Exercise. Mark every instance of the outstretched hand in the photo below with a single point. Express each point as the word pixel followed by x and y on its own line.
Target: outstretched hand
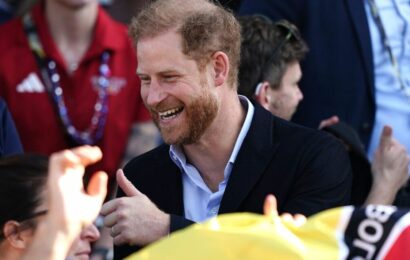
pixel 270 210
pixel 389 169
pixel 329 122
pixel 70 206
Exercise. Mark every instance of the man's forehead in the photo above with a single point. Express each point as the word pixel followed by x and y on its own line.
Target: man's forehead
pixel 170 34
pixel 162 54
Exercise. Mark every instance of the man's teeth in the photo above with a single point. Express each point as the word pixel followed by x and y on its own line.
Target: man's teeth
pixel 170 113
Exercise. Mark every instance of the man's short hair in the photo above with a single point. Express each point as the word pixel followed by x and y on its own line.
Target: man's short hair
pixel 205 28
pixel 267 48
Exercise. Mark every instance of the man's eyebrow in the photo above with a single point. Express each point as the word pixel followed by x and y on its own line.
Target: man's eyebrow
pixel 167 71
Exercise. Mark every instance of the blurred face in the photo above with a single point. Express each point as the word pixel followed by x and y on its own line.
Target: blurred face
pixel 81 248
pixel 177 93
pixel 17 236
pixel 284 101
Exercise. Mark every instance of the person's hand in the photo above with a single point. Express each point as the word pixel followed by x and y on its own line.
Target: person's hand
pixel 134 219
pixel 328 122
pixel 270 210
pixel 389 169
pixel 70 206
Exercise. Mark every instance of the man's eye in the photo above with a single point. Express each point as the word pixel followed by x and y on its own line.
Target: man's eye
pixel 170 78
pixel 145 82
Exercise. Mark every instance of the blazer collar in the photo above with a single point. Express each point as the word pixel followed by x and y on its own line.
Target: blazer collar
pixel 254 155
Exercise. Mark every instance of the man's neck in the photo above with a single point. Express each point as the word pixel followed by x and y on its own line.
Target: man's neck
pixel 71 28
pixel 211 154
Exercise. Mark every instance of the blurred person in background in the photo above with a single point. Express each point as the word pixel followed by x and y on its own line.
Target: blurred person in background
pixel 49 215
pixel 269 73
pixel 68 77
pixel 358 66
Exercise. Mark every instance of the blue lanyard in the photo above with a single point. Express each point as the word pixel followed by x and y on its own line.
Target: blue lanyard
pixel 386 43
pixel 51 78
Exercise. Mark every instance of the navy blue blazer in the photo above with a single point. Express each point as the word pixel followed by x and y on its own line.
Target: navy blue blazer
pixel 307 170
pixel 338 76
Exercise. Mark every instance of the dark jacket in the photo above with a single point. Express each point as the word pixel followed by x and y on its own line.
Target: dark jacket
pixel 307 170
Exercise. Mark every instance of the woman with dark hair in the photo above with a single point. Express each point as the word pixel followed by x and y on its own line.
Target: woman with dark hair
pixel 29 199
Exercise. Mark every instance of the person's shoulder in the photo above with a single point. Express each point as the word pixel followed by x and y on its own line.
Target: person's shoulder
pixel 150 159
pixel 294 132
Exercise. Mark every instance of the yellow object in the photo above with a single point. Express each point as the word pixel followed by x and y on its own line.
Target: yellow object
pixel 252 236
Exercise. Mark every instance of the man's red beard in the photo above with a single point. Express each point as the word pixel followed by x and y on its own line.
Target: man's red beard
pixel 199 115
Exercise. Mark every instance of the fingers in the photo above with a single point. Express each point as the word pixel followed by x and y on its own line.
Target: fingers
pixel 297 219
pixel 270 206
pixel 386 136
pixel 81 156
pixel 286 217
pixel 87 154
pixel 113 232
pixel 110 220
pixel 109 207
pixel 97 186
pixel 128 188
pixel 120 240
pixel 329 122
pixel 84 155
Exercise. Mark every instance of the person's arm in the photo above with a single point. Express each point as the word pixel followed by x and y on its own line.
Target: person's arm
pixel 70 207
pixel 324 179
pixel 390 169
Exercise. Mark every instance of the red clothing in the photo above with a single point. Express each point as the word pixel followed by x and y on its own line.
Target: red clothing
pixel 34 113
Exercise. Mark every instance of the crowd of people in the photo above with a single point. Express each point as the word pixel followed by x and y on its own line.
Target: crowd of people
pixel 304 101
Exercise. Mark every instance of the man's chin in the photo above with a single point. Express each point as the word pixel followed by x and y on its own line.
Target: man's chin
pixel 170 138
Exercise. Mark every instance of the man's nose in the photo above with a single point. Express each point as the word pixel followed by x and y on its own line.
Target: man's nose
pixel 155 94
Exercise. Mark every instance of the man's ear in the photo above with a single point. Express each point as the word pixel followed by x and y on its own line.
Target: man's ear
pixel 16 239
pixel 220 62
pixel 264 96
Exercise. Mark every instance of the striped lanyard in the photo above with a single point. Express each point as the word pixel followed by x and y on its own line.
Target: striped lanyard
pixel 48 69
pixel 386 43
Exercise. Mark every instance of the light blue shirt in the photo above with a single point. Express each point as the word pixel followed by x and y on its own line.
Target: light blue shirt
pixel 392 106
pixel 200 203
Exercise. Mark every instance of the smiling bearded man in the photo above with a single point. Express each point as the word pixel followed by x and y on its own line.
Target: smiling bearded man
pixel 225 154
pixel 200 112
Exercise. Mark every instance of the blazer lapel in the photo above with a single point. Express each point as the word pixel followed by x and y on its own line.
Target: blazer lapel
pixel 256 152
pixel 357 13
pixel 172 186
